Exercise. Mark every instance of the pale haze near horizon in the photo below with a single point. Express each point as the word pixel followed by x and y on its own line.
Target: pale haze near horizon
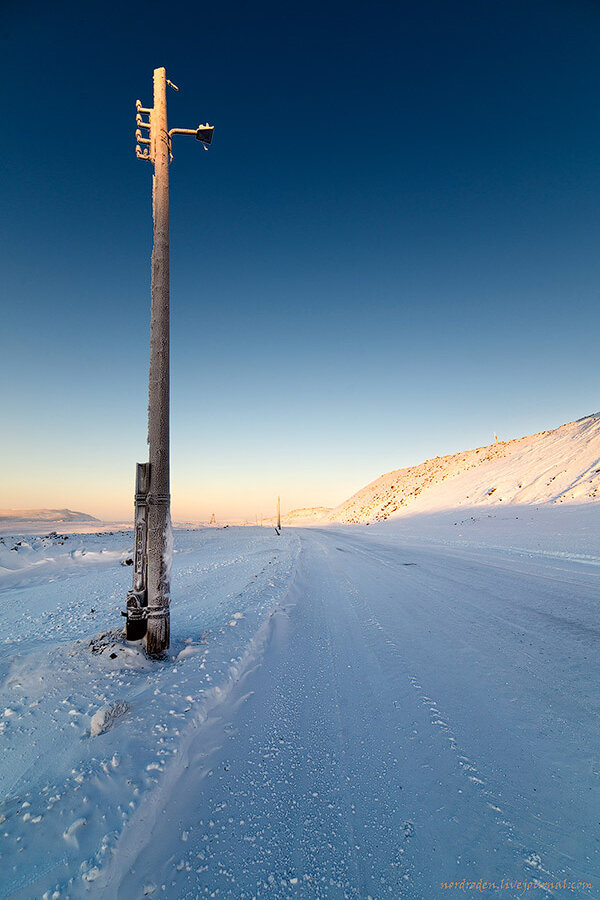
pixel 230 492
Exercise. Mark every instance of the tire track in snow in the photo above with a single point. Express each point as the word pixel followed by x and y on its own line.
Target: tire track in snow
pixel 477 781
pixel 138 834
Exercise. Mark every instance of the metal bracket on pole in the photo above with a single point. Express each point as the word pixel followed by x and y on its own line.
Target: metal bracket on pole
pixel 203 133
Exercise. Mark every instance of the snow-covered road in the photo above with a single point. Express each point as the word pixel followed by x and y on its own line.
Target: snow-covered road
pixel 367 716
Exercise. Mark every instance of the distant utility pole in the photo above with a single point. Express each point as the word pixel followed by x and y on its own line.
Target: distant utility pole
pixel 278 529
pixel 148 602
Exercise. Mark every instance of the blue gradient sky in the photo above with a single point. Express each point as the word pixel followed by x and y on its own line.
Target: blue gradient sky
pixel 390 251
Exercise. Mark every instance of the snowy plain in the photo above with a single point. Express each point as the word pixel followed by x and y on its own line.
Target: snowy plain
pixel 345 712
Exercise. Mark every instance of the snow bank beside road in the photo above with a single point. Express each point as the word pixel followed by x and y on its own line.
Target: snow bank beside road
pixel 90 727
pixel 26 558
pixel 568 531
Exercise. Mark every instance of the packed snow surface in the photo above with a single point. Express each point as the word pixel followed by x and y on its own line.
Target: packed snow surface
pixel 559 466
pixel 343 713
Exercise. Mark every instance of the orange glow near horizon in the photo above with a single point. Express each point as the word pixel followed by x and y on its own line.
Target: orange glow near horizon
pixel 114 502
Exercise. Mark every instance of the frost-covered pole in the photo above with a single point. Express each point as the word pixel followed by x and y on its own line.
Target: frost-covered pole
pixel 149 601
pixel 279 513
pixel 159 501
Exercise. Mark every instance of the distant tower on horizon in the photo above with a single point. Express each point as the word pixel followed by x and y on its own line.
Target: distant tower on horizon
pixel 213 520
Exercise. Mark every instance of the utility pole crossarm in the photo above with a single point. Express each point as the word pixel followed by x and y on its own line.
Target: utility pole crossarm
pixel 142 111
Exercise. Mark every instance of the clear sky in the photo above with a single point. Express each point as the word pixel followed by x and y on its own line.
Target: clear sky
pixel 390 251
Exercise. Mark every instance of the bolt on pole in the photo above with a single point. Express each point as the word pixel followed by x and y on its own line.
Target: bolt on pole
pixel 148 604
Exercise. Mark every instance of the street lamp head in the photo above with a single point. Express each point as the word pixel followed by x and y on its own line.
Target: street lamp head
pixel 204 133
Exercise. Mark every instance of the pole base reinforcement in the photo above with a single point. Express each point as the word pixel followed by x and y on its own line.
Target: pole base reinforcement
pixel 137 623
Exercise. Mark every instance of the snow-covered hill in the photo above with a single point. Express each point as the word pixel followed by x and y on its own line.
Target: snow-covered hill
pixel 44 515
pixel 560 466
pixel 305 516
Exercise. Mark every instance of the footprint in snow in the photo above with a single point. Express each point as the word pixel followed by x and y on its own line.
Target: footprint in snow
pixel 408 830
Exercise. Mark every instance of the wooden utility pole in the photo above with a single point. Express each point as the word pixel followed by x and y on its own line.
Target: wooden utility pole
pixel 149 602
pixel 159 500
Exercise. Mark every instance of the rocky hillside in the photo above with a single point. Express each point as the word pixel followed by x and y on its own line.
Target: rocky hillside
pixel 560 466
